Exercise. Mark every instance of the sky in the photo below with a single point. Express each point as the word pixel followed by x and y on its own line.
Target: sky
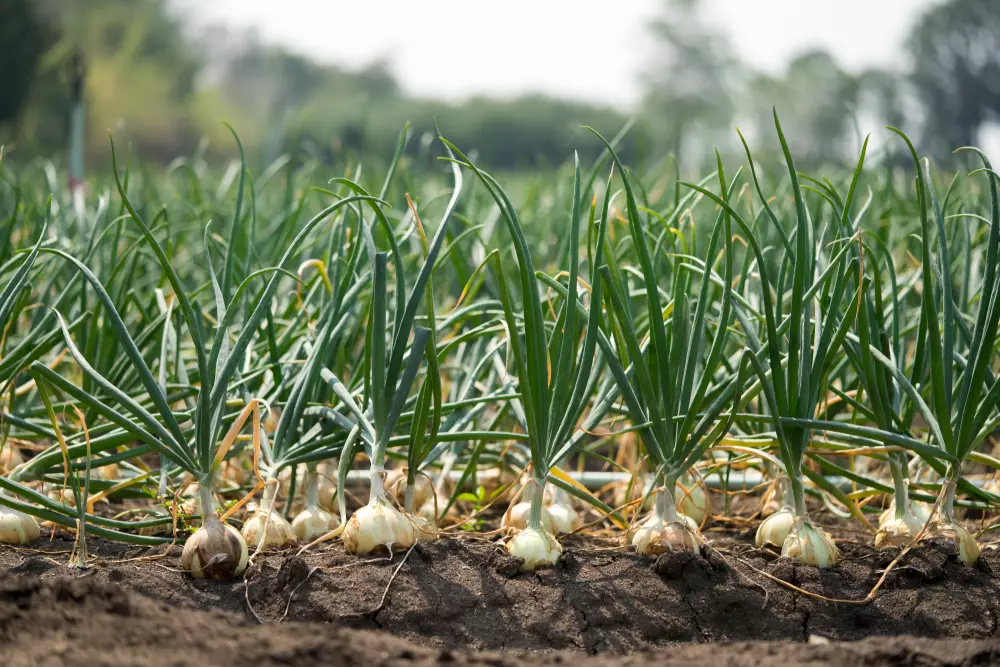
pixel 589 50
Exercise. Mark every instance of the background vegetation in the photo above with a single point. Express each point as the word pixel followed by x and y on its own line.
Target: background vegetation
pixel 152 77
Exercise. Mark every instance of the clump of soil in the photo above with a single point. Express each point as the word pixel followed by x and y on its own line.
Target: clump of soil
pixel 463 595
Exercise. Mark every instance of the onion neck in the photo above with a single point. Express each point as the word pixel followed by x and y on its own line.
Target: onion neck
pixel 947 508
pixel 410 494
pixel 663 505
pixel 312 489
pixel 798 494
pixel 376 475
pixel 533 494
pixel 207 502
pixel 901 486
pixel 81 546
pixel 161 489
pixel 270 493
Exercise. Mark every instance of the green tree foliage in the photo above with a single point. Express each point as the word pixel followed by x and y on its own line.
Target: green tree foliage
pixel 690 79
pixel 956 71
pixel 822 117
pixel 24 38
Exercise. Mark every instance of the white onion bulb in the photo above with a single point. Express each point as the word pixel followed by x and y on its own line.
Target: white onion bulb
pixel 774 529
pixel 810 544
pixel 267 528
pixel 564 517
pixel 272 525
pixel 665 530
pixel 535 548
pixel 424 528
pixel 378 525
pixel 948 528
pixel 517 516
pixel 968 548
pixel 897 531
pixel 215 551
pixel 693 500
pixel 656 536
pixel 313 521
pixel 16 527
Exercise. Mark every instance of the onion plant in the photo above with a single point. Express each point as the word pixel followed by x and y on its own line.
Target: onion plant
pixel 216 550
pixel 791 368
pixel 964 392
pixel 553 400
pixel 665 384
pixel 390 371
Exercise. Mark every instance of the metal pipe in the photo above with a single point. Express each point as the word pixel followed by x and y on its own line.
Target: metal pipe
pixel 739 480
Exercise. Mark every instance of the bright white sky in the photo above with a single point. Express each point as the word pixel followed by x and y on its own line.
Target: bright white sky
pixel 583 49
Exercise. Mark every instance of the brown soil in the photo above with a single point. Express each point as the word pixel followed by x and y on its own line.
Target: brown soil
pixel 452 599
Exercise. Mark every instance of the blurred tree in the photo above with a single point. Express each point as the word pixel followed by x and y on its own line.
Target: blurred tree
pixel 956 71
pixel 816 101
pixel 690 79
pixel 24 38
pixel 882 100
pixel 163 86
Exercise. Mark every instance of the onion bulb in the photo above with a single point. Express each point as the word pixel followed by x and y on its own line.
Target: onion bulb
pixel 423 490
pixel 424 528
pixel 16 527
pixel 692 499
pixel 810 544
pixel 968 548
pixel 565 519
pixel 774 529
pixel 775 497
pixel 896 531
pixel 313 521
pixel 216 550
pixel 378 525
pixel 268 530
pixel 948 528
pixel 266 527
pixel 518 516
pixel 665 530
pixel 535 548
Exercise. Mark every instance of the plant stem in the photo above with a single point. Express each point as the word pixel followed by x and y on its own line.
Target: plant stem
pixel 663 505
pixel 901 485
pixel 533 493
pixel 377 476
pixel 312 487
pixel 798 493
pixel 207 502
pixel 947 507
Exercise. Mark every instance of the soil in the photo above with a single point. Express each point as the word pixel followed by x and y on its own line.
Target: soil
pixel 462 601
